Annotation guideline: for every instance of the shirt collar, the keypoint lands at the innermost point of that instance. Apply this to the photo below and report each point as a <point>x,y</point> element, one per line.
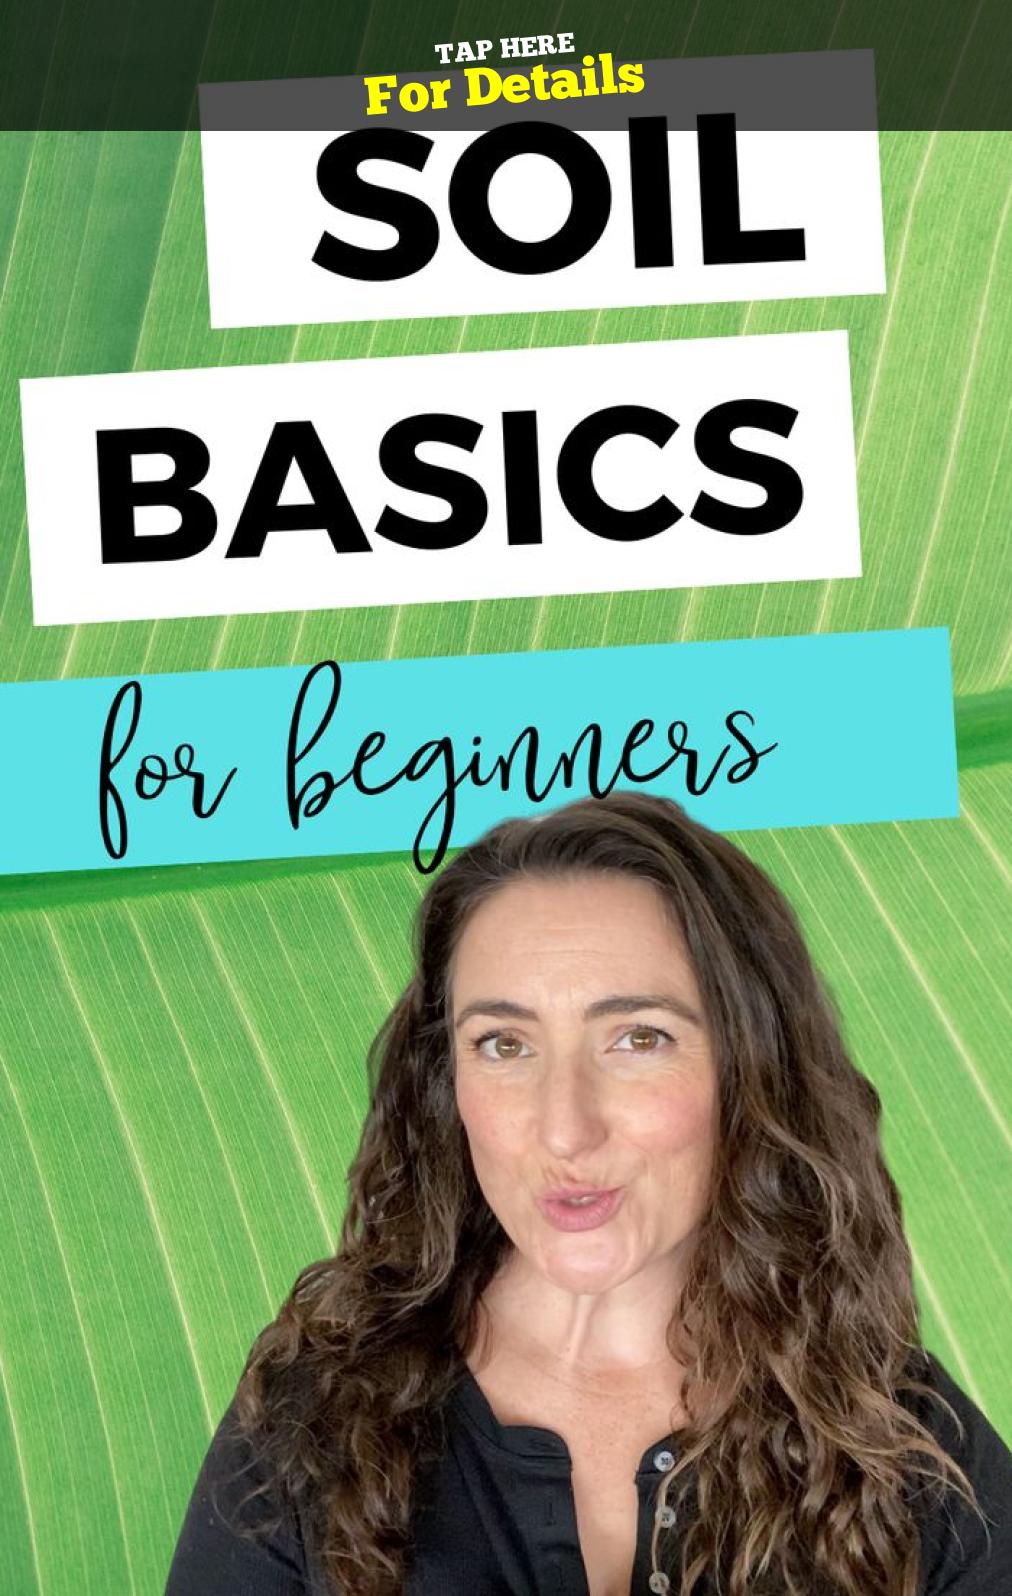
<point>529,1440</point>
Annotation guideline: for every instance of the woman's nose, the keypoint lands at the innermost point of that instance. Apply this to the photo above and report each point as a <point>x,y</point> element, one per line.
<point>571,1118</point>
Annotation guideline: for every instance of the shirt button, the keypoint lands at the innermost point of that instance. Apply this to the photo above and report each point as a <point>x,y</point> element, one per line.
<point>665,1516</point>
<point>664,1461</point>
<point>660,1583</point>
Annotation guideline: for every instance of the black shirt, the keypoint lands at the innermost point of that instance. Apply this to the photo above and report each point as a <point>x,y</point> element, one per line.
<point>499,1517</point>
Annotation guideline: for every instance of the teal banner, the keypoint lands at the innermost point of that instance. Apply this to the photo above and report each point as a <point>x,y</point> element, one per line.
<point>424,754</point>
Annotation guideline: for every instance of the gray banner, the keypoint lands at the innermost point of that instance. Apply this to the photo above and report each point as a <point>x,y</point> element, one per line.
<point>807,91</point>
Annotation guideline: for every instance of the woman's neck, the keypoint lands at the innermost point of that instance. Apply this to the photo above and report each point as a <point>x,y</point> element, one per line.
<point>608,1341</point>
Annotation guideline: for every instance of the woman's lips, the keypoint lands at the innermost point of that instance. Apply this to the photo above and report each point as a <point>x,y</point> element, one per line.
<point>584,1215</point>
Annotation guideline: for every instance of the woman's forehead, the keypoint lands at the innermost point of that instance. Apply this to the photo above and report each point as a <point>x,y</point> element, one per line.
<point>589,928</point>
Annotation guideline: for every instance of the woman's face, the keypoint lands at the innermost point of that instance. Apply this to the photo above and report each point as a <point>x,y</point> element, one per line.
<point>582,1060</point>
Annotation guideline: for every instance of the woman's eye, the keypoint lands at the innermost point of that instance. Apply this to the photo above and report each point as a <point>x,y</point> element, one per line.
<point>499,1046</point>
<point>643,1039</point>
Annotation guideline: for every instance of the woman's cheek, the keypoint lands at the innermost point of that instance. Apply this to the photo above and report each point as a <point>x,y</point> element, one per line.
<point>496,1144</point>
<point>492,1122</point>
<point>677,1120</point>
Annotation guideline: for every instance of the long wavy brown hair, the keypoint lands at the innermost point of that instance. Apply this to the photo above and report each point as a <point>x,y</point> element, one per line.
<point>797,1326</point>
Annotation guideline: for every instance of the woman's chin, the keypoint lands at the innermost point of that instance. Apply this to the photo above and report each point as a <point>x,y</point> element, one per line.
<point>573,1265</point>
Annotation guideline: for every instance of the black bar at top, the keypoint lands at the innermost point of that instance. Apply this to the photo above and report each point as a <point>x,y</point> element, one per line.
<point>137,64</point>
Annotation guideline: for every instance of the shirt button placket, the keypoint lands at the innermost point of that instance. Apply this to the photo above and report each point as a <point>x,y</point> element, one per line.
<point>664,1462</point>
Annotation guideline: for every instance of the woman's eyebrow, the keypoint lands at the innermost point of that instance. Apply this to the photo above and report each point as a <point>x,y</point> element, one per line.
<point>620,1003</point>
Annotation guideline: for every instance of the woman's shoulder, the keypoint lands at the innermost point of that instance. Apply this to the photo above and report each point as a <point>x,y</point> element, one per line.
<point>239,1537</point>
<point>961,1554</point>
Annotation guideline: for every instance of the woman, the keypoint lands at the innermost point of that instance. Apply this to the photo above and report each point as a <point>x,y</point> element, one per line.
<point>623,1301</point>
